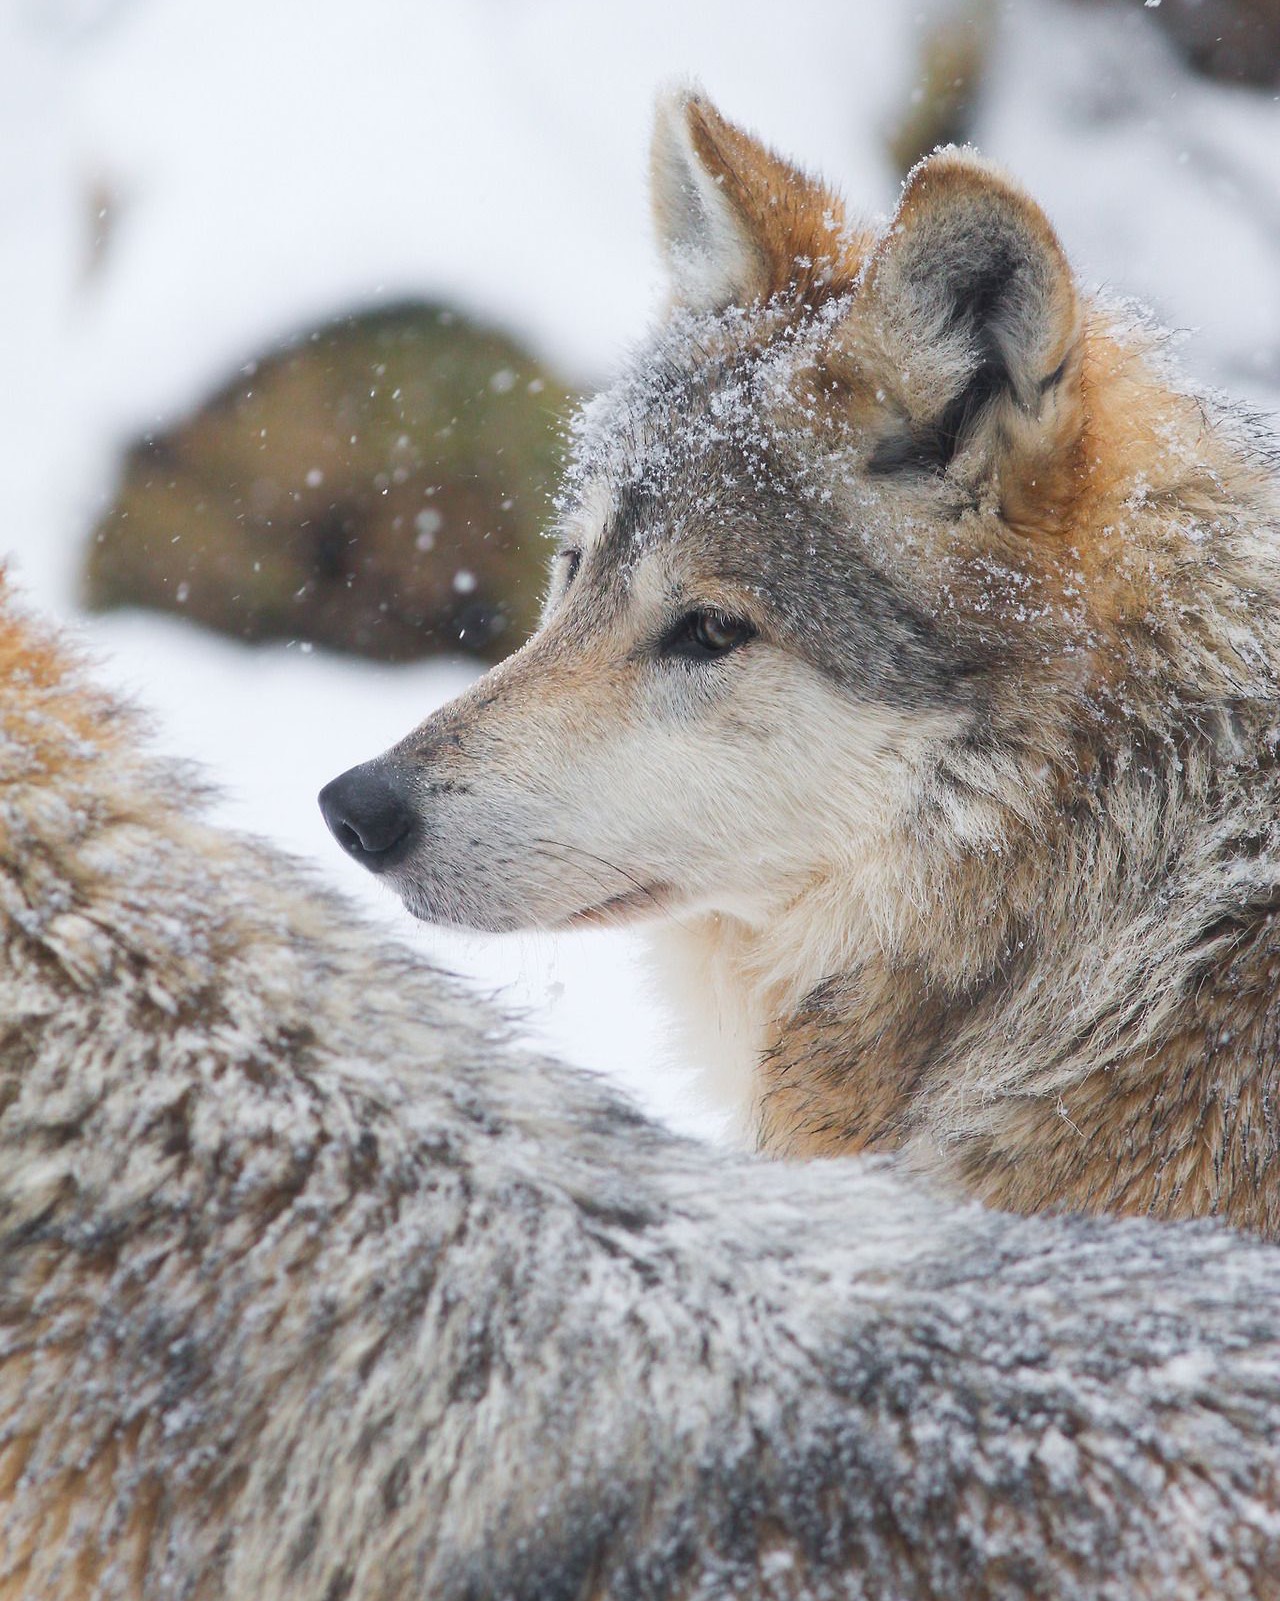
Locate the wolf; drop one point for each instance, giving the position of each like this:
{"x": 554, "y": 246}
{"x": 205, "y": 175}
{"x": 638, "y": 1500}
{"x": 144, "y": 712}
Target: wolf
{"x": 313, "y": 1284}
{"x": 910, "y": 664}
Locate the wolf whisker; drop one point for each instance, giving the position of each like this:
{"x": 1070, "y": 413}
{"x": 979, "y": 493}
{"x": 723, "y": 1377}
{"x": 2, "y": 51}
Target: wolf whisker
{"x": 637, "y": 884}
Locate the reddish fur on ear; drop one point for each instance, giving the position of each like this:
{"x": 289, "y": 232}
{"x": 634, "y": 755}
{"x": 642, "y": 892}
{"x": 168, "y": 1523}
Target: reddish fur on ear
{"x": 959, "y": 221}
{"x": 762, "y": 226}
{"x": 971, "y": 323}
{"x": 795, "y": 222}
{"x": 964, "y": 318}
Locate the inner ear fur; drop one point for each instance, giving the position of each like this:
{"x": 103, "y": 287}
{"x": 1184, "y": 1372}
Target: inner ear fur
{"x": 970, "y": 325}
{"x": 735, "y": 222}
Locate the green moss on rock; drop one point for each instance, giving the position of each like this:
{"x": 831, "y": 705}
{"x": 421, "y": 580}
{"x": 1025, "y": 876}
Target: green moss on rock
{"x": 378, "y": 486}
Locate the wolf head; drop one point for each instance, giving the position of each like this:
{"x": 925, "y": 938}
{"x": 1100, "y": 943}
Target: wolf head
{"x": 811, "y": 544}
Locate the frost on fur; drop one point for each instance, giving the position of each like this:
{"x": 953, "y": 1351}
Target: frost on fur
{"x": 315, "y": 1286}
{"x": 965, "y": 845}
{"x": 973, "y": 327}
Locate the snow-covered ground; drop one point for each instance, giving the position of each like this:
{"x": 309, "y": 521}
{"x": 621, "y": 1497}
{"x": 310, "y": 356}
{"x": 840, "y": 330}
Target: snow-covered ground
{"x": 273, "y": 161}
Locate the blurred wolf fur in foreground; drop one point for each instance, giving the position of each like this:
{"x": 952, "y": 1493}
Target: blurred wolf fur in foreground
{"x": 913, "y": 649}
{"x": 314, "y": 1286}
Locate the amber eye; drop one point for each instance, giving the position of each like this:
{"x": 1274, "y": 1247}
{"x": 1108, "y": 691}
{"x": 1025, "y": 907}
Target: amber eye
{"x": 703, "y": 635}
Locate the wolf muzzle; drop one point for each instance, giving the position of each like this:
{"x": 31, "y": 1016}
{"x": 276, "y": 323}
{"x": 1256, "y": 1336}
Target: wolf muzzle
{"x": 370, "y": 816}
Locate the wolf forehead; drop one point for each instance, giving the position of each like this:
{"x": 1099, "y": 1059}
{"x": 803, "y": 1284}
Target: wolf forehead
{"x": 729, "y": 455}
{"x": 718, "y": 402}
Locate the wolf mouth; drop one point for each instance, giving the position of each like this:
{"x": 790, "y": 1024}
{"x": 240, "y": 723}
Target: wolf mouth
{"x": 622, "y": 908}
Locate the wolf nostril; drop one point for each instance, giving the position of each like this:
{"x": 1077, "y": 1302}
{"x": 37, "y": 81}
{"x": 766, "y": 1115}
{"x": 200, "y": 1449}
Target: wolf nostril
{"x": 369, "y": 816}
{"x": 347, "y": 837}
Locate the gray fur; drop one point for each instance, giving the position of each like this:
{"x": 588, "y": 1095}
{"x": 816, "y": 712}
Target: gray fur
{"x": 316, "y": 1286}
{"x": 971, "y": 850}
{"x": 700, "y": 445}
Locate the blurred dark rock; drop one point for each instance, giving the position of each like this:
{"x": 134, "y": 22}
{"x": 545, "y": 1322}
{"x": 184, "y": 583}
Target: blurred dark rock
{"x": 1237, "y": 41}
{"x": 1234, "y": 41}
{"x": 378, "y": 485}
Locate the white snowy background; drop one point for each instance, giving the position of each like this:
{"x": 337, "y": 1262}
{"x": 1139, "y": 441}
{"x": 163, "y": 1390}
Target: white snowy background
{"x": 277, "y": 161}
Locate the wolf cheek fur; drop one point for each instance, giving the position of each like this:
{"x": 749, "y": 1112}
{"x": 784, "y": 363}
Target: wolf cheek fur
{"x": 970, "y": 850}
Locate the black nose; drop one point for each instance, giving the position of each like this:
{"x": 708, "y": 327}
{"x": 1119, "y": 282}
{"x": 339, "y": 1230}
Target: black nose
{"x": 369, "y": 816}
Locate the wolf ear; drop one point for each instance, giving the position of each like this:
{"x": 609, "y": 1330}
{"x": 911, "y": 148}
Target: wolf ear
{"x": 735, "y": 223}
{"x": 974, "y": 323}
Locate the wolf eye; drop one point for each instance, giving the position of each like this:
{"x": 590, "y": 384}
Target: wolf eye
{"x": 572, "y": 560}
{"x": 703, "y": 635}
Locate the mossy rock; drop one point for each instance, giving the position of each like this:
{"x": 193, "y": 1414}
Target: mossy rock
{"x": 378, "y": 486}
